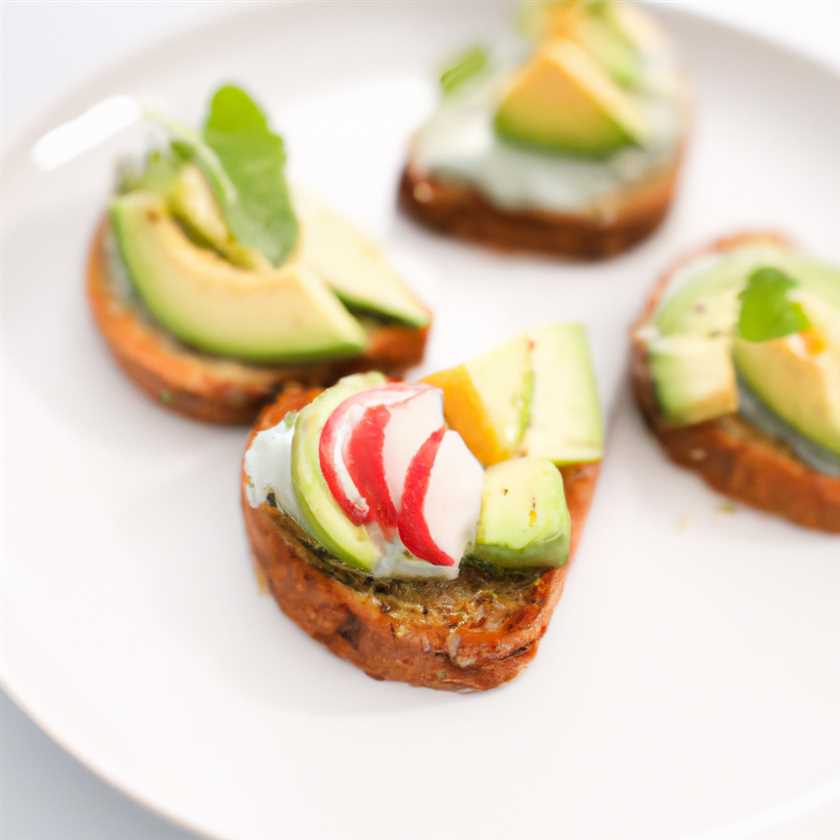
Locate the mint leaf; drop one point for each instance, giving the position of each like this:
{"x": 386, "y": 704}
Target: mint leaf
{"x": 766, "y": 309}
{"x": 463, "y": 67}
{"x": 259, "y": 211}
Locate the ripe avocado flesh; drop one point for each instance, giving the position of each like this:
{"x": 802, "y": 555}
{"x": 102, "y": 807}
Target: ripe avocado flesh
{"x": 487, "y": 400}
{"x": 694, "y": 378}
{"x": 353, "y": 266}
{"x": 350, "y": 264}
{"x": 325, "y": 520}
{"x": 565, "y": 425}
{"x": 695, "y": 356}
{"x": 524, "y": 519}
{"x": 278, "y": 315}
{"x": 800, "y": 386}
{"x": 564, "y": 101}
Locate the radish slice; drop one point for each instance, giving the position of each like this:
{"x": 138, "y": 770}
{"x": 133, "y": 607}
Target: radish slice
{"x": 335, "y": 436}
{"x": 364, "y": 463}
{"x": 409, "y": 426}
{"x": 441, "y": 500}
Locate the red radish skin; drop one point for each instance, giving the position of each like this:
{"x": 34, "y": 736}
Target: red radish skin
{"x": 413, "y": 530}
{"x": 358, "y": 514}
{"x": 364, "y": 463}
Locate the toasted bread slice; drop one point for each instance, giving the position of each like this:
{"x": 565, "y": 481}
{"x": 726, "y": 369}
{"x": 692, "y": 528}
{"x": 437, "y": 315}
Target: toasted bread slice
{"x": 213, "y": 388}
{"x": 734, "y": 457}
{"x": 472, "y": 633}
{"x": 606, "y": 229}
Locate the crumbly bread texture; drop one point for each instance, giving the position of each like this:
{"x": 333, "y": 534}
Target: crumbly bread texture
{"x": 604, "y": 230}
{"x": 212, "y": 388}
{"x": 731, "y": 455}
{"x": 472, "y": 633}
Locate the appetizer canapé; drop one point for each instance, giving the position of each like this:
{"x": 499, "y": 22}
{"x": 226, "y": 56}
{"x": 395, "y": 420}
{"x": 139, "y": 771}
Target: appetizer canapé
{"x": 424, "y": 532}
{"x": 214, "y": 285}
{"x": 567, "y": 142}
{"x": 736, "y": 366}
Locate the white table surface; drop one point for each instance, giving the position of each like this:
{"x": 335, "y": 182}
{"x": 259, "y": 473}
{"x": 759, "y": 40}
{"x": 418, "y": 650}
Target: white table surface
{"x": 46, "y": 48}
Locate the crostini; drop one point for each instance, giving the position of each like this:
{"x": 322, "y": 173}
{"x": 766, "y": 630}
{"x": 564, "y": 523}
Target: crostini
{"x": 214, "y": 284}
{"x": 736, "y": 368}
{"x": 423, "y": 531}
{"x": 567, "y": 143}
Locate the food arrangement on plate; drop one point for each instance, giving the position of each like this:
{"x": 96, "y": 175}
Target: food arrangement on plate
{"x": 736, "y": 367}
{"x": 215, "y": 284}
{"x": 566, "y": 141}
{"x": 423, "y": 531}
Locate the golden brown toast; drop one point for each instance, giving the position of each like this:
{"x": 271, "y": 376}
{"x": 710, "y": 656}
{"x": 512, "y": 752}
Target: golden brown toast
{"x": 460, "y": 210}
{"x": 213, "y": 388}
{"x": 731, "y": 455}
{"x": 471, "y": 633}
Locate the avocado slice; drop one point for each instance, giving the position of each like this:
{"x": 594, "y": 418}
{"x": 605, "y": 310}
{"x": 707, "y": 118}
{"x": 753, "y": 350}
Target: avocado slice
{"x": 524, "y": 519}
{"x": 565, "y": 423}
{"x": 598, "y": 33}
{"x": 487, "y": 400}
{"x": 353, "y": 266}
{"x": 795, "y": 381}
{"x": 564, "y": 101}
{"x": 278, "y": 315}
{"x": 694, "y": 378}
{"x": 325, "y": 520}
{"x": 193, "y": 203}
{"x": 704, "y": 296}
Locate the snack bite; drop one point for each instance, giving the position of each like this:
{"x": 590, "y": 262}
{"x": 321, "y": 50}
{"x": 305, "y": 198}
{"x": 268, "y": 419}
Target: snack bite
{"x": 565, "y": 141}
{"x": 381, "y": 532}
{"x": 214, "y": 283}
{"x": 736, "y": 367}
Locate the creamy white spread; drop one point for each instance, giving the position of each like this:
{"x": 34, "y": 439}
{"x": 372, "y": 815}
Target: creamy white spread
{"x": 459, "y": 143}
{"x": 268, "y": 465}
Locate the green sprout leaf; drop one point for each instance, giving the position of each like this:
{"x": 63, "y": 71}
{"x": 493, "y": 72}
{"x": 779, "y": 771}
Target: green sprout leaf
{"x": 767, "y": 312}
{"x": 463, "y": 67}
{"x": 244, "y": 163}
{"x": 254, "y": 159}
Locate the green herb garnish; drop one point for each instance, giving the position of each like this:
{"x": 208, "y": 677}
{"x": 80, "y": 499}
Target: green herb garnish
{"x": 767, "y": 312}
{"x": 463, "y": 67}
{"x": 244, "y": 163}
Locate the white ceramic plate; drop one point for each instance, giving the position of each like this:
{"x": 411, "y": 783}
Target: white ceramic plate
{"x": 690, "y": 679}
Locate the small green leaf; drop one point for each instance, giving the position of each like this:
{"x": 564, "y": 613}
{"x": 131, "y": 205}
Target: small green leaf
{"x": 463, "y": 67}
{"x": 767, "y": 312}
{"x": 254, "y": 159}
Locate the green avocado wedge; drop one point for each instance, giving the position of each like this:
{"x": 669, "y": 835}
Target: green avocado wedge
{"x": 325, "y": 520}
{"x": 565, "y": 425}
{"x": 274, "y": 316}
{"x": 524, "y": 520}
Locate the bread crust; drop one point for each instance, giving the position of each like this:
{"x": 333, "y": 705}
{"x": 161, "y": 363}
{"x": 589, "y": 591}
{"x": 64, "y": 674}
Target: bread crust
{"x": 215, "y": 389}
{"x": 606, "y": 229}
{"x": 731, "y": 455}
{"x": 379, "y": 637}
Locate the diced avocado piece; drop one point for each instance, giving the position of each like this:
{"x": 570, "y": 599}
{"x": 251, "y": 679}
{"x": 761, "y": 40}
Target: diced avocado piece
{"x": 487, "y": 400}
{"x": 353, "y": 266}
{"x": 524, "y": 519}
{"x": 193, "y": 203}
{"x": 278, "y": 315}
{"x": 563, "y": 101}
{"x": 325, "y": 520}
{"x": 798, "y": 378}
{"x": 565, "y": 424}
{"x": 693, "y": 377}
